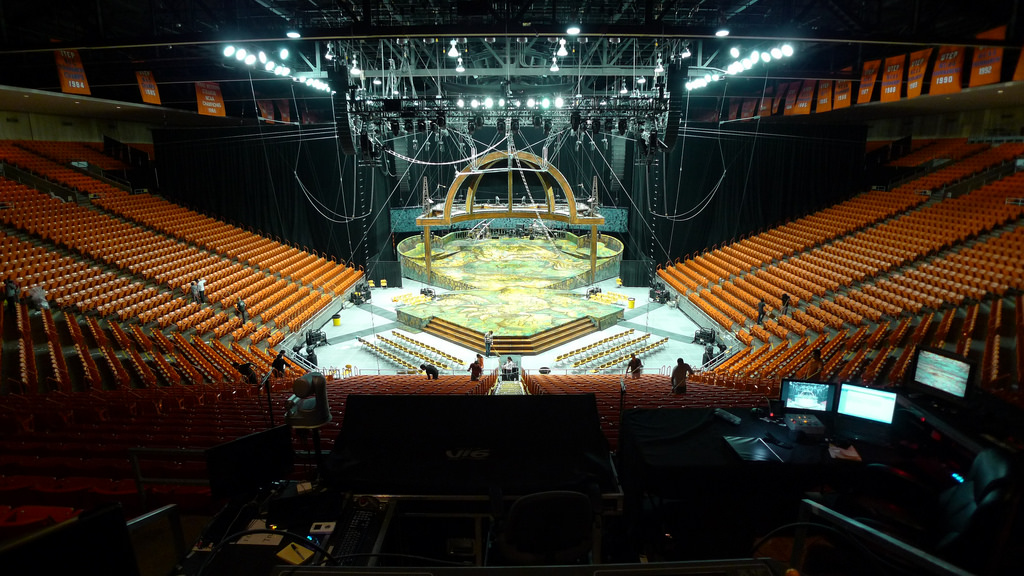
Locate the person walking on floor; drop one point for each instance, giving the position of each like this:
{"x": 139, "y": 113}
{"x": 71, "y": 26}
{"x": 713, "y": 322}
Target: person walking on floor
{"x": 635, "y": 366}
{"x": 202, "y": 290}
{"x": 193, "y": 289}
{"x": 679, "y": 374}
{"x": 240, "y": 308}
{"x": 11, "y": 292}
{"x": 488, "y": 342}
{"x": 476, "y": 368}
{"x": 760, "y": 310}
{"x": 785, "y": 304}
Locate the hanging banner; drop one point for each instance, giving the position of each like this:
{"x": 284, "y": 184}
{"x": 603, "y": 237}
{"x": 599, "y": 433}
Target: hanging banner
{"x": 766, "y": 103}
{"x": 803, "y": 101}
{"x": 734, "y": 108}
{"x": 266, "y": 108}
{"x": 71, "y": 72}
{"x": 791, "y": 94}
{"x": 824, "y": 102}
{"x": 844, "y": 89}
{"x": 747, "y": 110}
{"x": 946, "y": 75}
{"x": 987, "y": 65}
{"x": 1018, "y": 74}
{"x": 147, "y": 87}
{"x": 915, "y": 72}
{"x": 780, "y": 93}
{"x": 209, "y": 100}
{"x": 284, "y": 110}
{"x": 892, "y": 78}
{"x": 867, "y": 81}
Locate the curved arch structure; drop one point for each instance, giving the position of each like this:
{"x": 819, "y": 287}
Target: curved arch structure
{"x": 548, "y": 209}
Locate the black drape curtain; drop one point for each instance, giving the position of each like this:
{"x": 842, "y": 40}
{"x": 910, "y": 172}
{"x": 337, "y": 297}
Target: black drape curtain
{"x": 715, "y": 185}
{"x": 721, "y": 183}
{"x": 289, "y": 182}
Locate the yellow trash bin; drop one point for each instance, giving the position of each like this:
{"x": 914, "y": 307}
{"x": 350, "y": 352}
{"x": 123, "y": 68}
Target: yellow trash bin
{"x": 337, "y": 319}
{"x": 632, "y": 303}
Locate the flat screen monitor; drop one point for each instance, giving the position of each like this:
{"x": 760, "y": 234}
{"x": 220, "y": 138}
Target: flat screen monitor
{"x": 942, "y": 374}
{"x": 867, "y": 403}
{"x": 803, "y": 397}
{"x": 243, "y": 466}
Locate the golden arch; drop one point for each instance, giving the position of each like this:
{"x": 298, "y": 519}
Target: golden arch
{"x": 546, "y": 210}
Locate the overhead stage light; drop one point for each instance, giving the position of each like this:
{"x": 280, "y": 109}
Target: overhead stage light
{"x": 624, "y": 90}
{"x": 776, "y": 53}
{"x": 459, "y": 67}
{"x": 263, "y": 57}
{"x": 559, "y": 102}
{"x": 766, "y": 57}
{"x": 283, "y": 54}
{"x": 554, "y": 64}
{"x": 355, "y": 71}
{"x": 561, "y": 48}
{"x": 787, "y": 50}
{"x": 530, "y": 102}
{"x": 659, "y": 68}
{"x": 545, "y": 103}
{"x": 240, "y": 54}
{"x": 293, "y": 34}
{"x": 686, "y": 52}
{"x": 250, "y": 59}
{"x": 488, "y": 102}
{"x": 641, "y": 80}
{"x": 572, "y": 30}
{"x": 734, "y": 52}
{"x": 229, "y": 51}
{"x": 270, "y": 66}
{"x": 453, "y": 51}
{"x": 722, "y": 32}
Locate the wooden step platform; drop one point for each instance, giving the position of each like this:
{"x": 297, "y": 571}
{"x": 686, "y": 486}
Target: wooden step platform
{"x": 524, "y": 345}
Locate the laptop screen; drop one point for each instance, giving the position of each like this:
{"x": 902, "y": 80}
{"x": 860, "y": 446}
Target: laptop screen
{"x": 866, "y": 403}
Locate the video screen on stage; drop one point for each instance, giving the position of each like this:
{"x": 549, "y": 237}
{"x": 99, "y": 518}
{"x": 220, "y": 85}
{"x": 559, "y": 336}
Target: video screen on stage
{"x": 943, "y": 373}
{"x": 806, "y": 396}
{"x": 867, "y": 403}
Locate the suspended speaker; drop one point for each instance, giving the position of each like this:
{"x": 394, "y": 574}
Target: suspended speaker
{"x": 343, "y": 125}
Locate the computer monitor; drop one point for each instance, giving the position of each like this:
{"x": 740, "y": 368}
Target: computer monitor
{"x": 243, "y": 466}
{"x": 807, "y": 397}
{"x": 866, "y": 403}
{"x": 942, "y": 375}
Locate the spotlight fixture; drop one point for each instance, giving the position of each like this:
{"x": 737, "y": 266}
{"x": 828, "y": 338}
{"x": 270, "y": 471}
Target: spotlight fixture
{"x": 355, "y": 71}
{"x": 460, "y": 103}
{"x": 641, "y": 80}
{"x": 624, "y": 90}
{"x": 293, "y": 34}
{"x": 776, "y": 53}
{"x": 573, "y": 30}
{"x": 330, "y": 51}
{"x": 561, "y": 48}
{"x": 766, "y": 57}
{"x": 734, "y": 52}
{"x": 474, "y": 103}
{"x": 659, "y": 68}
{"x": 377, "y": 82}
{"x": 686, "y": 51}
{"x": 283, "y": 54}
{"x": 250, "y": 59}
{"x": 488, "y": 102}
{"x": 229, "y": 51}
{"x": 787, "y": 50}
{"x": 530, "y": 102}
{"x": 459, "y": 67}
{"x": 270, "y": 66}
{"x": 453, "y": 51}
{"x": 722, "y": 32}
{"x": 559, "y": 102}
{"x": 240, "y": 54}
{"x": 545, "y": 103}
{"x": 554, "y": 64}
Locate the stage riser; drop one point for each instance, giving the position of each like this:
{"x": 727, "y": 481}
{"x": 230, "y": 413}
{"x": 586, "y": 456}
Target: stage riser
{"x": 512, "y": 345}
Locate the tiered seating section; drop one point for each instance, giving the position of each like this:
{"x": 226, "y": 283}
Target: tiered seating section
{"x": 865, "y": 275}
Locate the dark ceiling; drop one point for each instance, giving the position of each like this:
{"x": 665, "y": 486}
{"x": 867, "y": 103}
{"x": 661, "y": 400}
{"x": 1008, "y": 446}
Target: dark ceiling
{"x": 404, "y": 43}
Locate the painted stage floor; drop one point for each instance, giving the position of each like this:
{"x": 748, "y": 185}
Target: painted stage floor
{"x": 380, "y": 316}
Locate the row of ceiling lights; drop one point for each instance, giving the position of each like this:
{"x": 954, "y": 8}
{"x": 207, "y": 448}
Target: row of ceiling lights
{"x": 251, "y": 58}
{"x": 741, "y": 64}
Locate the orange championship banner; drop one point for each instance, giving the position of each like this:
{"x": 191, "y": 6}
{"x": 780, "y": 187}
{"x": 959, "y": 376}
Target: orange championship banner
{"x": 147, "y": 87}
{"x": 766, "y": 103}
{"x": 987, "y": 65}
{"x": 734, "y": 108}
{"x": 803, "y": 100}
{"x": 844, "y": 88}
{"x": 747, "y": 110}
{"x": 792, "y": 91}
{"x": 1018, "y": 74}
{"x": 284, "y": 110}
{"x": 824, "y": 102}
{"x": 916, "y": 70}
{"x": 71, "y": 72}
{"x": 266, "y": 110}
{"x": 892, "y": 78}
{"x": 780, "y": 93}
{"x": 867, "y": 81}
{"x": 946, "y": 75}
{"x": 209, "y": 101}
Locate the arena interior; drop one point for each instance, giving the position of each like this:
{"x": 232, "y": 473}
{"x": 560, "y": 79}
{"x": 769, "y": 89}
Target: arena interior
{"x": 810, "y": 204}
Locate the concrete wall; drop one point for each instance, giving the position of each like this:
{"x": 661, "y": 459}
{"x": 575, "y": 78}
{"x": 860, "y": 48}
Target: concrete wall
{"x": 29, "y": 126}
{"x": 996, "y": 122}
